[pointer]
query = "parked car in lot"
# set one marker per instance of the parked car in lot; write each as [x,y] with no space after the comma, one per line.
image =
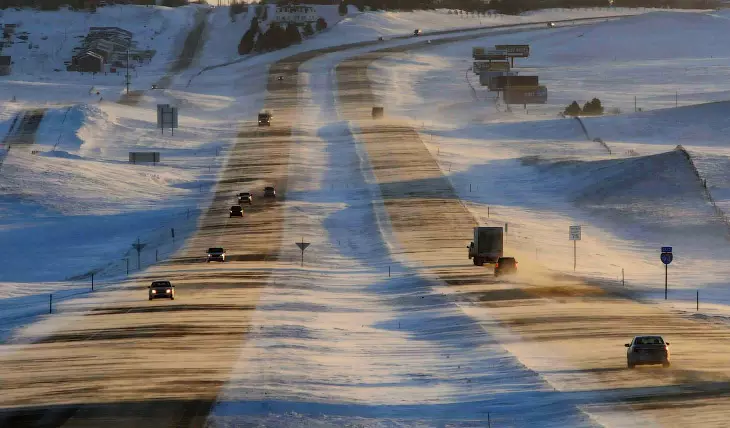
[236,211]
[505,266]
[645,350]
[161,290]
[269,192]
[216,254]
[245,198]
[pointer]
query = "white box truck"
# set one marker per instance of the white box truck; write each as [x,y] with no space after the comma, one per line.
[487,246]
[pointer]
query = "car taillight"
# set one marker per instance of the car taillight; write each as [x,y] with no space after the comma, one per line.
[496,265]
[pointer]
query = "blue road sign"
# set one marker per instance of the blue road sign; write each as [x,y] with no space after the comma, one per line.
[666,249]
[666,258]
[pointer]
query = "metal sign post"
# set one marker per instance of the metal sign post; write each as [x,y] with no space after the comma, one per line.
[302,246]
[574,235]
[666,257]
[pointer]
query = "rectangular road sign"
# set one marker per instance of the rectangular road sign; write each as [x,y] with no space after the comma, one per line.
[666,249]
[498,66]
[526,95]
[515,51]
[507,81]
[574,233]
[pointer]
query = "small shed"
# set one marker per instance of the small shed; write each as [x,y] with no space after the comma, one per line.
[89,62]
[5,65]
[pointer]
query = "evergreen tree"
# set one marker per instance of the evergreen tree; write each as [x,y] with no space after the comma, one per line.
[247,43]
[573,109]
[342,9]
[261,44]
[292,34]
[308,30]
[254,27]
[321,24]
[593,107]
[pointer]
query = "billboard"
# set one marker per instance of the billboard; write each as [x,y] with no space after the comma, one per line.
[498,66]
[491,55]
[487,78]
[515,51]
[502,82]
[142,157]
[480,66]
[526,96]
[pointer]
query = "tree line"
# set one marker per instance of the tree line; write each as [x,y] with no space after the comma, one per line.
[507,7]
[276,36]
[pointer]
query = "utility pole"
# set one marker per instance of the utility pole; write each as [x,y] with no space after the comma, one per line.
[128,76]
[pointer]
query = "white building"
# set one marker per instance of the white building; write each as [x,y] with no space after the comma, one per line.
[298,14]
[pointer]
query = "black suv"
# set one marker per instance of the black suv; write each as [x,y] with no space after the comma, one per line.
[269,192]
[505,265]
[216,254]
[161,289]
[236,211]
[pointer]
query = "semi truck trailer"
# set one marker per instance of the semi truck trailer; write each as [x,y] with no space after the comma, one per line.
[487,246]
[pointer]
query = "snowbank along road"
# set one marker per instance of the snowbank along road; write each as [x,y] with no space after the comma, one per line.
[282,345]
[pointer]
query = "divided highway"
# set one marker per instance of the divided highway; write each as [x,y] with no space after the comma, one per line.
[117,360]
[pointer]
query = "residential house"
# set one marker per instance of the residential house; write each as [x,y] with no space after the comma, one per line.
[111,32]
[5,65]
[101,47]
[296,13]
[90,62]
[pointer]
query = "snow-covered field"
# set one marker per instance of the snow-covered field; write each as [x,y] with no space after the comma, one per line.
[540,174]
[88,204]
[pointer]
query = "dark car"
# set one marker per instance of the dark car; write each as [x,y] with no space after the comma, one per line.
[236,211]
[245,198]
[645,350]
[265,119]
[505,266]
[417,32]
[216,254]
[269,192]
[161,289]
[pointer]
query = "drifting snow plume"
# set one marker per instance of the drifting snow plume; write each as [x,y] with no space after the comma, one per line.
[660,193]
[62,128]
[704,124]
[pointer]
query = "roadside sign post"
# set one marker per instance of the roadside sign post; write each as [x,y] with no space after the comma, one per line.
[138,246]
[666,257]
[302,246]
[574,235]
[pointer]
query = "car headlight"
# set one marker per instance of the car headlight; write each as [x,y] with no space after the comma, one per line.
[154,291]
[168,291]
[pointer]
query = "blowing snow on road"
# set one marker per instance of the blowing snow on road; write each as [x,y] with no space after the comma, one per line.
[357,285]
